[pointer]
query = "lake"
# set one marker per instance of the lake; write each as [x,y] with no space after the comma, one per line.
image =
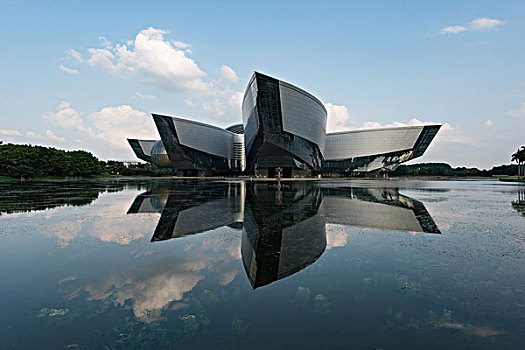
[188,264]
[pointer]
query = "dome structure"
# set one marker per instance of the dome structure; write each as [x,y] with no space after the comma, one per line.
[159,156]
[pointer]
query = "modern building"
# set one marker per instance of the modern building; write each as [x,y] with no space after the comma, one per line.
[284,129]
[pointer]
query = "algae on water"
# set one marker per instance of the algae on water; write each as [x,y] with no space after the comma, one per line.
[45,312]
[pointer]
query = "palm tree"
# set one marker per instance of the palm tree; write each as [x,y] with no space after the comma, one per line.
[519,157]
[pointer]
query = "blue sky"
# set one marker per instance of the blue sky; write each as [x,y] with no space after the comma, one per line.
[86,75]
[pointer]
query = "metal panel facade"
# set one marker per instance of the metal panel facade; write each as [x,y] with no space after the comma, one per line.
[146,146]
[142,148]
[303,114]
[205,138]
[363,143]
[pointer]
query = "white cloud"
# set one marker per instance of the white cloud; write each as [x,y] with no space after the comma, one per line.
[213,106]
[453,30]
[411,122]
[489,123]
[51,136]
[228,74]
[67,118]
[180,45]
[115,124]
[139,96]
[485,23]
[154,60]
[189,103]
[477,25]
[33,135]
[338,118]
[235,100]
[68,70]
[371,125]
[8,132]
[111,124]
[102,59]
[150,59]
[224,103]
[519,113]
[104,41]
[74,54]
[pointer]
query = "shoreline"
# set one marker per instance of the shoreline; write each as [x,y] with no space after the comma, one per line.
[263,179]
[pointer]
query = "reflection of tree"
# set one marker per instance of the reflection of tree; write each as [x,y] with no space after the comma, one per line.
[519,205]
[40,195]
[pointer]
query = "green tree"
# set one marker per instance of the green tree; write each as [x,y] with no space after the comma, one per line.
[519,157]
[36,161]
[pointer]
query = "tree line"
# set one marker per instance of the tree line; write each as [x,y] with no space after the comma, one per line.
[27,161]
[443,169]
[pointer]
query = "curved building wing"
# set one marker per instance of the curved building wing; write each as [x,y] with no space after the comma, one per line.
[375,149]
[142,148]
[197,146]
[284,126]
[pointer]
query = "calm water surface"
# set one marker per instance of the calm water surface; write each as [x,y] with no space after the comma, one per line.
[232,265]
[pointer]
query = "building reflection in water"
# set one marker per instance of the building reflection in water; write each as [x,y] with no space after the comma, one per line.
[284,226]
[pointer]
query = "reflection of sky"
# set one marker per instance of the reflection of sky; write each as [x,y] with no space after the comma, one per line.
[336,236]
[470,276]
[152,288]
[104,219]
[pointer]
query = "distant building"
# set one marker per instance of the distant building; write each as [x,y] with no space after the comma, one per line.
[283,127]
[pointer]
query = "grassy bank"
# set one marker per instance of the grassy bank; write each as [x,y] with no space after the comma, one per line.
[506,179]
